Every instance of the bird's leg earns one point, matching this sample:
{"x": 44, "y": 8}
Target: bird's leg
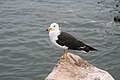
{"x": 65, "y": 54}
{"x": 63, "y": 58}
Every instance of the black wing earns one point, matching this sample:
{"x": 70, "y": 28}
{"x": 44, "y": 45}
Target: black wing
{"x": 72, "y": 43}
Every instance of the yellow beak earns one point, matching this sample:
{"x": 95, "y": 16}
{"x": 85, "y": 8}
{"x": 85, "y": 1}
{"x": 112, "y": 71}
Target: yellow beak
{"x": 48, "y": 29}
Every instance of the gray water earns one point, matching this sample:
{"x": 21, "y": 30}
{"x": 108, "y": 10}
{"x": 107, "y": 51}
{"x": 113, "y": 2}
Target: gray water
{"x": 25, "y": 50}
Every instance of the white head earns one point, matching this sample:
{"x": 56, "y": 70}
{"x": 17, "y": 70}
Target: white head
{"x": 53, "y": 26}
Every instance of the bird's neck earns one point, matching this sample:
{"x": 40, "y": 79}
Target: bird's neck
{"x": 54, "y": 33}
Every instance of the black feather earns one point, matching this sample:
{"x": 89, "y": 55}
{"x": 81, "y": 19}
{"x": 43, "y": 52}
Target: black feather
{"x": 65, "y": 39}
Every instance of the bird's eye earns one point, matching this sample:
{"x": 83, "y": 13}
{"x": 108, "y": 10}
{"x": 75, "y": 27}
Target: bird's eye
{"x": 53, "y": 26}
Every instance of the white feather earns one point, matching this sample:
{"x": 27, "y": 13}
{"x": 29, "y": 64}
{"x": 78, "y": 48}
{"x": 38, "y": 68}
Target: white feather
{"x": 53, "y": 36}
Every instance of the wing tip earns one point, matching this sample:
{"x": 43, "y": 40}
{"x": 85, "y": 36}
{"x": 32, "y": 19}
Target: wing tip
{"x": 88, "y": 48}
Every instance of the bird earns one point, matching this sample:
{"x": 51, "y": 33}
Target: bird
{"x": 66, "y": 41}
{"x": 117, "y": 18}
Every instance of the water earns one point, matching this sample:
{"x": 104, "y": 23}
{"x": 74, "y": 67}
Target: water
{"x": 25, "y": 50}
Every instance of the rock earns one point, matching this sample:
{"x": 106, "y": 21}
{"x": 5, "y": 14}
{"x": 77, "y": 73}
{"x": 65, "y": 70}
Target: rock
{"x": 77, "y": 69}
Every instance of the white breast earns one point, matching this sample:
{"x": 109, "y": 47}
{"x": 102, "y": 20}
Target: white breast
{"x": 53, "y": 37}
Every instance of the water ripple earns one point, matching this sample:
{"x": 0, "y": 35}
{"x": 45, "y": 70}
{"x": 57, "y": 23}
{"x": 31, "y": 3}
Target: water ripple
{"x": 25, "y": 50}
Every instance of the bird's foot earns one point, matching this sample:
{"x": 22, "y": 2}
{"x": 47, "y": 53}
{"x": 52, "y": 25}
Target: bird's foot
{"x": 62, "y": 59}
